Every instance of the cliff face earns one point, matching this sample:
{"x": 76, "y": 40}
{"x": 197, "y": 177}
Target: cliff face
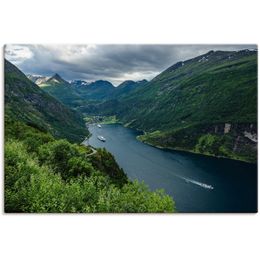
{"x": 236, "y": 141}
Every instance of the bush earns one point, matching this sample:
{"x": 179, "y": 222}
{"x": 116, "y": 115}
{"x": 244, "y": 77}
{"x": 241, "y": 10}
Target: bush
{"x": 79, "y": 166}
{"x": 134, "y": 198}
{"x": 47, "y": 175}
{"x": 57, "y": 155}
{"x": 106, "y": 163}
{"x": 30, "y": 187}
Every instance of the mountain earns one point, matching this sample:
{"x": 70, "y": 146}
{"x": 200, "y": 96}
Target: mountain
{"x": 126, "y": 87}
{"x": 97, "y": 90}
{"x": 207, "y": 105}
{"x": 26, "y": 102}
{"x": 60, "y": 89}
{"x": 93, "y": 95}
{"x": 56, "y": 79}
{"x": 81, "y": 94}
{"x": 78, "y": 92}
{"x": 101, "y": 90}
{"x": 37, "y": 79}
{"x": 131, "y": 84}
{"x": 77, "y": 83}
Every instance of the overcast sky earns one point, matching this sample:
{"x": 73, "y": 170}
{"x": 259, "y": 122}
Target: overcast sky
{"x": 114, "y": 63}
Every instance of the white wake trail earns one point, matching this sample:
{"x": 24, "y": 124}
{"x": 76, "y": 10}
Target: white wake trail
{"x": 203, "y": 185}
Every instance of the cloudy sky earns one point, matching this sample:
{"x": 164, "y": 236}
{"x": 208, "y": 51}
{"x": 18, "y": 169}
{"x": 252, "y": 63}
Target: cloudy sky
{"x": 115, "y": 63}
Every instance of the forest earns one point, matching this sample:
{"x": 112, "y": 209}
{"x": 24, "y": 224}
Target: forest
{"x": 46, "y": 175}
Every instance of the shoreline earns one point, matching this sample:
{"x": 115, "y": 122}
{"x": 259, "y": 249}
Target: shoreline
{"x": 171, "y": 148}
{"x": 193, "y": 152}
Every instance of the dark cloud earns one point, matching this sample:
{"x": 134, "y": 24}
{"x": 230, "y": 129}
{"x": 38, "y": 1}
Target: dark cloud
{"x": 115, "y": 63}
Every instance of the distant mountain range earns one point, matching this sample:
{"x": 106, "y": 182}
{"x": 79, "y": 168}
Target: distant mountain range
{"x": 80, "y": 92}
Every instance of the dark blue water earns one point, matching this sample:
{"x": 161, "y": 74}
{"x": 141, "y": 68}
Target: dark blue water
{"x": 197, "y": 183}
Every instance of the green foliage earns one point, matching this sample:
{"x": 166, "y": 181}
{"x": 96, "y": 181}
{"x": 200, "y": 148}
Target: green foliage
{"x": 47, "y": 175}
{"x": 208, "y": 143}
{"x": 204, "y": 139}
{"x": 25, "y": 101}
{"x": 196, "y": 93}
{"x": 60, "y": 89}
{"x": 78, "y": 166}
{"x": 105, "y": 162}
{"x": 65, "y": 158}
{"x": 31, "y": 136}
{"x": 135, "y": 197}
{"x": 30, "y": 187}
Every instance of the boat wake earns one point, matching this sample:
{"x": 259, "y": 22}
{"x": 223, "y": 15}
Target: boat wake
{"x": 203, "y": 185}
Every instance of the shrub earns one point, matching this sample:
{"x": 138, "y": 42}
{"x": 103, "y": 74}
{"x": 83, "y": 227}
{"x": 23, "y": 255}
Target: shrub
{"x": 30, "y": 187}
{"x": 105, "y": 162}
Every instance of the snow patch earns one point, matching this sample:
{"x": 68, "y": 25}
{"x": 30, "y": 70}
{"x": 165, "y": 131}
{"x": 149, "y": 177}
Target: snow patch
{"x": 203, "y": 59}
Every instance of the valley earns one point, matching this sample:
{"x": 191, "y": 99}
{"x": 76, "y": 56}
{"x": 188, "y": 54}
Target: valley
{"x": 186, "y": 107}
{"x": 48, "y": 170}
{"x": 184, "y": 141}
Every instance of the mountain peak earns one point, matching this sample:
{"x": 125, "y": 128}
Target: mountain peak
{"x": 101, "y": 84}
{"x": 56, "y": 78}
{"x": 37, "y": 79}
{"x": 131, "y": 83}
{"x": 78, "y": 83}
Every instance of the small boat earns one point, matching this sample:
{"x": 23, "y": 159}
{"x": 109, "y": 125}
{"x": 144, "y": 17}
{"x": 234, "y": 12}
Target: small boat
{"x": 101, "y": 138}
{"x": 99, "y": 125}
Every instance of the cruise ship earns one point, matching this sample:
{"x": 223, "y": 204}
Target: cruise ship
{"x": 101, "y": 138}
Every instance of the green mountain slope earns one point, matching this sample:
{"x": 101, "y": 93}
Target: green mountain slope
{"x": 60, "y": 89}
{"x": 82, "y": 95}
{"x": 97, "y": 90}
{"x": 92, "y": 96}
{"x": 206, "y": 105}
{"x": 78, "y": 93}
{"x": 127, "y": 87}
{"x": 26, "y": 102}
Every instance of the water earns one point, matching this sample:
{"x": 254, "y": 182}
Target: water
{"x": 197, "y": 183}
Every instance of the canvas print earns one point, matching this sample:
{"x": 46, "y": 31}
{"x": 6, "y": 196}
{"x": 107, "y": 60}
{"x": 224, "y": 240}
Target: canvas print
{"x": 130, "y": 128}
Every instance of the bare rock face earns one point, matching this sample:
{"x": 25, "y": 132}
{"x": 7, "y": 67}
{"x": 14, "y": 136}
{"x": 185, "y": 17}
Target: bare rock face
{"x": 251, "y": 136}
{"x": 227, "y": 128}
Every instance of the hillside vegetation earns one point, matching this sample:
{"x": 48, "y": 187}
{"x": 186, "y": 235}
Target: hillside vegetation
{"x": 206, "y": 105}
{"x": 82, "y": 95}
{"x": 44, "y": 174}
{"x": 60, "y": 89}
{"x": 25, "y": 101}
